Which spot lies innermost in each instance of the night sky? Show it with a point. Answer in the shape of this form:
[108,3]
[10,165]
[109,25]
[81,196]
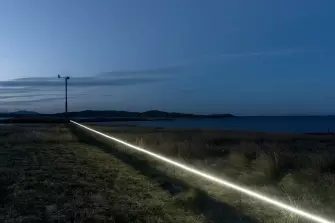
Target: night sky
[242,57]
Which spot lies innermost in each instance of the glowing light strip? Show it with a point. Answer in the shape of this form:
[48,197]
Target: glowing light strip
[226,183]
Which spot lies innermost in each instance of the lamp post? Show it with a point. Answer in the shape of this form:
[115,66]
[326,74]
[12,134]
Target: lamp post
[66,78]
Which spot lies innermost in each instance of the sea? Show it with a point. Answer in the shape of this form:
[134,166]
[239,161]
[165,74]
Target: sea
[280,124]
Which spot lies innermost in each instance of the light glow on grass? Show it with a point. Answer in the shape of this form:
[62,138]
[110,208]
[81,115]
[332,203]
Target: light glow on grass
[217,180]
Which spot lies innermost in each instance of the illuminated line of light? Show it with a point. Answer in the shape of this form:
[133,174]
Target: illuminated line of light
[225,183]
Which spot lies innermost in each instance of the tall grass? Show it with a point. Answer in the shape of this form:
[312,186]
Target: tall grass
[286,165]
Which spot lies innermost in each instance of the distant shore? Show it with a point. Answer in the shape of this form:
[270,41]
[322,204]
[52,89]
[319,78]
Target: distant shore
[99,116]
[114,114]
[59,119]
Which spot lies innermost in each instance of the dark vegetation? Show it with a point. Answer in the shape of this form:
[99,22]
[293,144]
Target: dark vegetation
[49,174]
[57,173]
[298,169]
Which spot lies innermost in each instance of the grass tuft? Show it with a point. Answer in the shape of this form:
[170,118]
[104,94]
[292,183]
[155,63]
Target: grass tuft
[271,164]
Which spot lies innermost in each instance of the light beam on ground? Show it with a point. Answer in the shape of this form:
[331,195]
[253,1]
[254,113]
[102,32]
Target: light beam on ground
[217,180]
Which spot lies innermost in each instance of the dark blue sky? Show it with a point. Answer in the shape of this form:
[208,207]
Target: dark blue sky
[243,57]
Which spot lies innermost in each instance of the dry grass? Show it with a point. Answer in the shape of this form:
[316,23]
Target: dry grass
[48,175]
[75,182]
[298,169]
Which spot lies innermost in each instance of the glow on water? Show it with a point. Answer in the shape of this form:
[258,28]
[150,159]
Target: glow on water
[220,181]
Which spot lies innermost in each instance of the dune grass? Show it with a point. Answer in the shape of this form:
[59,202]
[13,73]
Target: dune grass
[49,174]
[297,169]
[57,173]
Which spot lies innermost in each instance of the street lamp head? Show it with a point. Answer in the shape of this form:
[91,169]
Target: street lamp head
[67,78]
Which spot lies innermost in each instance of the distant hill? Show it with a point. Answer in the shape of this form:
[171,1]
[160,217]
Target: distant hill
[24,112]
[111,114]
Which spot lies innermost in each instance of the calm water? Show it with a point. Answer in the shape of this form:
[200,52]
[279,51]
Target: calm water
[263,124]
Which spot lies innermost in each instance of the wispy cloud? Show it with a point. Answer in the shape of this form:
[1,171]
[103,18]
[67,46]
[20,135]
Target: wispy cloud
[15,96]
[36,92]
[28,102]
[158,72]
[82,82]
[7,90]
[270,53]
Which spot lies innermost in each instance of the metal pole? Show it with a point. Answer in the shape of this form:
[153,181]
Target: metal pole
[65,115]
[66,99]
